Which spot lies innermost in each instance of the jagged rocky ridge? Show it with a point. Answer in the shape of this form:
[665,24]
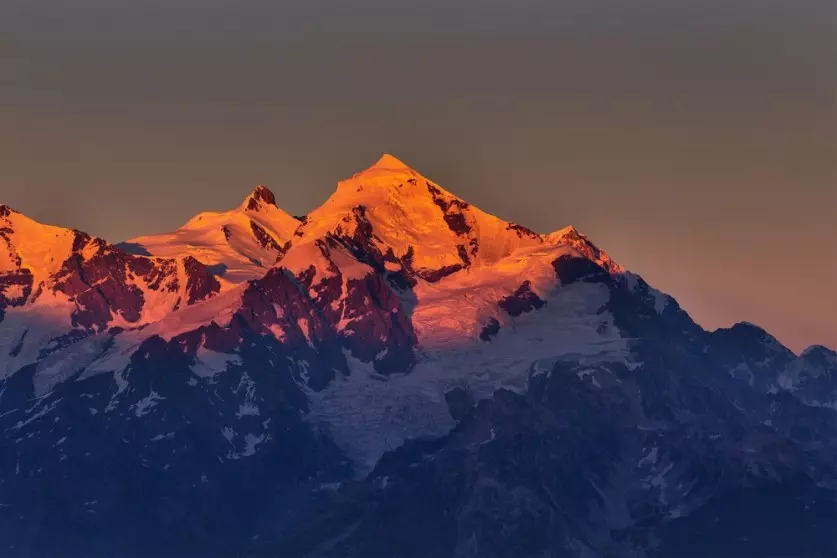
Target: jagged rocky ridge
[395,374]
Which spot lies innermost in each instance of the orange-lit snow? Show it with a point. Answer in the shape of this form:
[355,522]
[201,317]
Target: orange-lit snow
[403,214]
[226,240]
[41,248]
[404,210]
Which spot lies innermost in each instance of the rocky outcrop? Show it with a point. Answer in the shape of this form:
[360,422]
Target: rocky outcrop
[521,300]
[108,283]
[15,289]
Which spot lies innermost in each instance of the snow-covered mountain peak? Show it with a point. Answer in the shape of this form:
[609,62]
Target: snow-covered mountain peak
[238,245]
[389,177]
[28,244]
[258,198]
[392,163]
[407,222]
[412,222]
[387,173]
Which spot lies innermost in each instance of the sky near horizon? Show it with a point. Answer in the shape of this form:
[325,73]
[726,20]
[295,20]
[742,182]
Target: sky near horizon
[695,141]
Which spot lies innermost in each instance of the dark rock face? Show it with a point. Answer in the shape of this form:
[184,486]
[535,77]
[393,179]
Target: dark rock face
[434,275]
[56,344]
[133,248]
[201,283]
[260,194]
[570,269]
[263,237]
[16,349]
[522,231]
[15,289]
[429,275]
[521,301]
[277,300]
[490,329]
[457,223]
[377,327]
[452,208]
[355,232]
[103,282]
[380,330]
[586,248]
[445,202]
[99,285]
[461,404]
[463,254]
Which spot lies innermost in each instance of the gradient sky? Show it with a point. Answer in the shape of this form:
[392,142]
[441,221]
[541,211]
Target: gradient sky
[695,140]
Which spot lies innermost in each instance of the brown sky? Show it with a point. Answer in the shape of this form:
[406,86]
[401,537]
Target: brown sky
[694,140]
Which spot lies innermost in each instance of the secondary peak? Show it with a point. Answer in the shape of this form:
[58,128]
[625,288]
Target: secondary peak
[261,194]
[560,234]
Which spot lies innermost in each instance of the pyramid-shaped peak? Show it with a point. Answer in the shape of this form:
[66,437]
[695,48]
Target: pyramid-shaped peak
[390,162]
[261,194]
[387,173]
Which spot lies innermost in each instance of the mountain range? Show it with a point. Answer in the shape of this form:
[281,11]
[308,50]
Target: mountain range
[395,374]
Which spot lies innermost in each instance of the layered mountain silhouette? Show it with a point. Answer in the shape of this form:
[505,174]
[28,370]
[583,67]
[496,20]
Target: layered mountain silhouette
[397,373]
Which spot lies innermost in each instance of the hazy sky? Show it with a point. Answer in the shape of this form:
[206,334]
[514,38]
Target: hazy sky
[694,140]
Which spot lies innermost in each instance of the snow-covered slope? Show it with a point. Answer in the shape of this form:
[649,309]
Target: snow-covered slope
[237,245]
[58,286]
